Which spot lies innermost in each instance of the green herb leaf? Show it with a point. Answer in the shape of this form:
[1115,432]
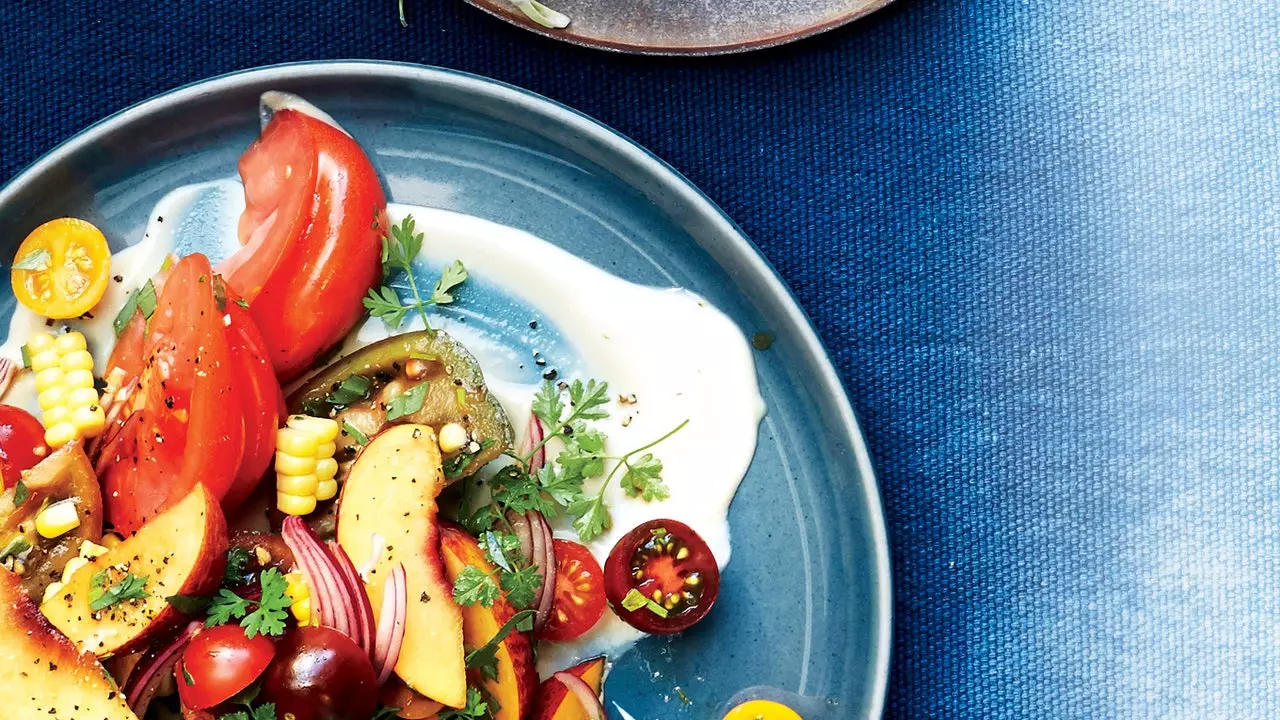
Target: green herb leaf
[521,586]
[350,390]
[225,607]
[238,560]
[590,517]
[16,547]
[354,433]
[407,403]
[496,547]
[634,600]
[129,587]
[548,405]
[588,400]
[451,277]
[186,675]
[563,487]
[482,519]
[242,303]
[190,604]
[473,586]
[35,260]
[26,356]
[385,713]
[141,300]
[476,708]
[384,303]
[273,607]
[643,479]
[485,658]
[20,494]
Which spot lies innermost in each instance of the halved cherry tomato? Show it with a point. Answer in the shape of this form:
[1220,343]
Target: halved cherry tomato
[580,599]
[220,662]
[70,264]
[762,710]
[312,233]
[673,572]
[185,421]
[21,444]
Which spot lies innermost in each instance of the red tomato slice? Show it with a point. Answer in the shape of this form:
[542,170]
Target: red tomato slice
[661,577]
[219,663]
[21,444]
[312,235]
[580,598]
[186,425]
[260,396]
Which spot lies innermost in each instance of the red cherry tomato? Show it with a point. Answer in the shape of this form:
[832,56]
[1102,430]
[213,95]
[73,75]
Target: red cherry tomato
[320,674]
[219,663]
[184,423]
[579,600]
[21,444]
[673,572]
[312,229]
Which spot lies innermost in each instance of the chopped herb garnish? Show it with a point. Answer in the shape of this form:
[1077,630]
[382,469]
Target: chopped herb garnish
[141,300]
[237,572]
[242,303]
[16,547]
[26,356]
[129,587]
[476,708]
[474,585]
[35,260]
[407,403]
[354,432]
[485,658]
[634,600]
[189,604]
[186,675]
[20,494]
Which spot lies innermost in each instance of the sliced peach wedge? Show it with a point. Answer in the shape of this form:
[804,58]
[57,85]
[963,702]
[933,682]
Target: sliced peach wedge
[42,672]
[118,601]
[387,513]
[516,680]
[555,702]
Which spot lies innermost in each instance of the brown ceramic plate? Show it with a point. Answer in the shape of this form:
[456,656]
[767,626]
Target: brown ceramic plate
[689,27]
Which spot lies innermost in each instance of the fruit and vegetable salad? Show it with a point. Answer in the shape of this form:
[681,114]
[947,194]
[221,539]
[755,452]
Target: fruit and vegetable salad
[274,481]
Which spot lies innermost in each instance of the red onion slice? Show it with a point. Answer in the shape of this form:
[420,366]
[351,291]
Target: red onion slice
[391,619]
[581,690]
[358,596]
[339,604]
[546,562]
[534,434]
[154,667]
[520,525]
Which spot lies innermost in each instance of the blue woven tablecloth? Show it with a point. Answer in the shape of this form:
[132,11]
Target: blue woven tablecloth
[1041,239]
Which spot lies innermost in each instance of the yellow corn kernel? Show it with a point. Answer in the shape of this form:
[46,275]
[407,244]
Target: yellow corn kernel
[297,484]
[90,550]
[296,587]
[298,443]
[89,421]
[453,437]
[81,397]
[52,591]
[70,342]
[295,505]
[59,434]
[77,379]
[323,429]
[302,611]
[326,450]
[326,489]
[51,398]
[71,567]
[58,519]
[326,469]
[111,541]
[49,377]
[287,464]
[78,360]
[57,414]
[41,361]
[38,343]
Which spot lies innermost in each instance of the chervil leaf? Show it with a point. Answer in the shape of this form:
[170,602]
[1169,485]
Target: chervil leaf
[34,260]
[515,490]
[473,586]
[521,586]
[563,487]
[643,478]
[590,517]
[451,277]
[273,607]
[589,399]
[482,519]
[403,245]
[476,708]
[226,606]
[548,405]
[407,403]
[189,604]
[577,460]
[384,303]
[497,546]
[20,494]
[129,587]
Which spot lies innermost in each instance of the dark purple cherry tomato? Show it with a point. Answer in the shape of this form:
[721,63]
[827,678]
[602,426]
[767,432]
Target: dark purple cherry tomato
[320,674]
[661,577]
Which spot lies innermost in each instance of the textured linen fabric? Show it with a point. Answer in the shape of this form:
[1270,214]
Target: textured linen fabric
[1041,240]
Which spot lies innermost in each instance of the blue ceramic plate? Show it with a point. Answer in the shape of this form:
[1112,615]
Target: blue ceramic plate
[805,605]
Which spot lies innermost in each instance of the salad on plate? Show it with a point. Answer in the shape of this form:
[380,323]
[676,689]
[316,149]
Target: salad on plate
[302,453]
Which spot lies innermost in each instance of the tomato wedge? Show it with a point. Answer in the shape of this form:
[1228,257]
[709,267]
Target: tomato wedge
[579,599]
[661,577]
[185,424]
[260,395]
[21,444]
[312,237]
[220,662]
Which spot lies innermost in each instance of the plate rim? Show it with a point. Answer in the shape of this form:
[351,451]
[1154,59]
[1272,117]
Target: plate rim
[504,11]
[726,233]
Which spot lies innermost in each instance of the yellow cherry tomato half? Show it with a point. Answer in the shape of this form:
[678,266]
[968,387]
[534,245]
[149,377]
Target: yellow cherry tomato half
[762,710]
[62,268]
